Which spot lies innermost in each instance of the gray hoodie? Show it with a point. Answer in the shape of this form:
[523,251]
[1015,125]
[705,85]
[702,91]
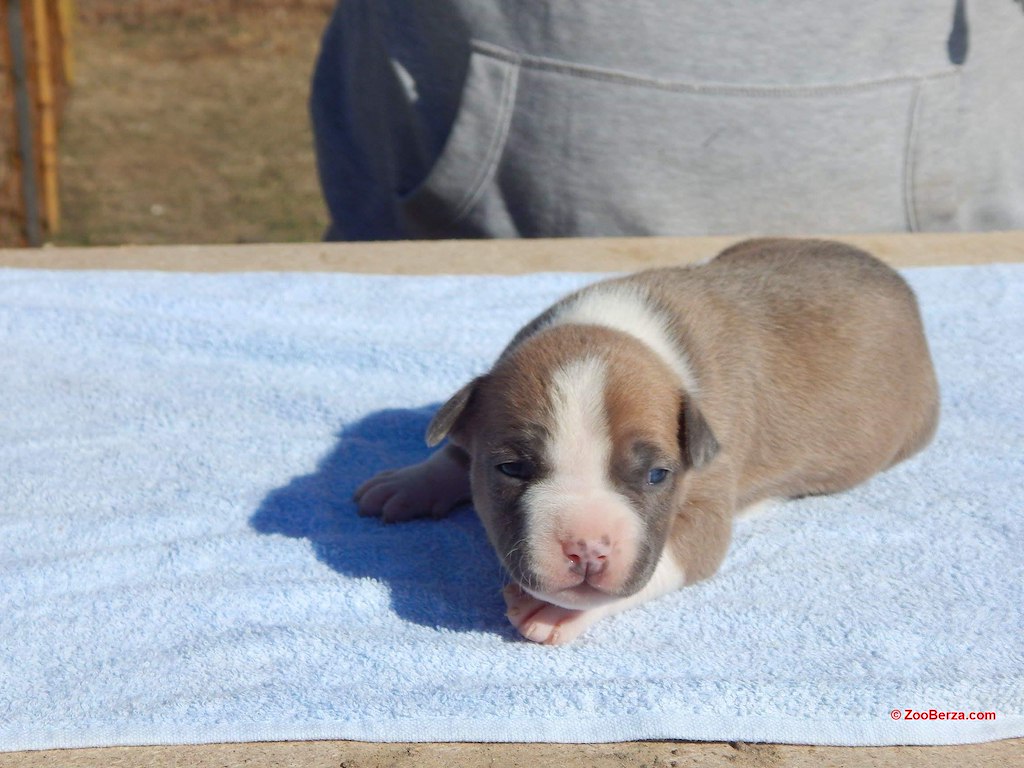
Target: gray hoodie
[529,118]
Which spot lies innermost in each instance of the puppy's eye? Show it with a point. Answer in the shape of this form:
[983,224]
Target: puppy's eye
[520,470]
[657,476]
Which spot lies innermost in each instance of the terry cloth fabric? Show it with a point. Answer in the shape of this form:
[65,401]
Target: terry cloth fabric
[180,561]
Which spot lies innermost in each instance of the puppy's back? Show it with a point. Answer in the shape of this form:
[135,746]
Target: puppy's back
[821,349]
[785,274]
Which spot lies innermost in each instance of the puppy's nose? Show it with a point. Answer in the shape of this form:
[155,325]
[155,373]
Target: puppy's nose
[587,557]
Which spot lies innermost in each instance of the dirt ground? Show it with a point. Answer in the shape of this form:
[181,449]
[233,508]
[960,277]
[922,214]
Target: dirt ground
[649,754]
[192,129]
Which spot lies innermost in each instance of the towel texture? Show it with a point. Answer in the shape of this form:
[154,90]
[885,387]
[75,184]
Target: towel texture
[180,560]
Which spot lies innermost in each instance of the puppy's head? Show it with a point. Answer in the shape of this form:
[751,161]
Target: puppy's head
[579,438]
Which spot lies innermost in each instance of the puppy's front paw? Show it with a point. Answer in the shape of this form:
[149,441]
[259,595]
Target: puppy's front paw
[543,622]
[398,495]
[392,496]
[431,488]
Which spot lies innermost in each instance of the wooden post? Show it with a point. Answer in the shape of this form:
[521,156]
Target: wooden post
[46,105]
[65,15]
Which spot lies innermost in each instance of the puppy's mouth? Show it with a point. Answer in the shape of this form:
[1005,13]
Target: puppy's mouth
[579,597]
[572,587]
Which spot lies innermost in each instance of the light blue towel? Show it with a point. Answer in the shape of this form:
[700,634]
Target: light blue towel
[180,560]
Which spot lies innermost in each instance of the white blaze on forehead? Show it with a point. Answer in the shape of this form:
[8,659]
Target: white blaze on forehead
[628,308]
[580,442]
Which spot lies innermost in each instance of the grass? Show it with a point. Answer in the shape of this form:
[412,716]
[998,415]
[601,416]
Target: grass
[192,130]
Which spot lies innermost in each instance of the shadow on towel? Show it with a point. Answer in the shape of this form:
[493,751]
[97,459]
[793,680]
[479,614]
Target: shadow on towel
[439,573]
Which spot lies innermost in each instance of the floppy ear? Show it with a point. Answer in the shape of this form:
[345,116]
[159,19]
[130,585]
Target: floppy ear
[447,416]
[698,442]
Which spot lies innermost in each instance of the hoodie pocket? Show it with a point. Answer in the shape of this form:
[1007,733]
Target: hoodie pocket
[547,147]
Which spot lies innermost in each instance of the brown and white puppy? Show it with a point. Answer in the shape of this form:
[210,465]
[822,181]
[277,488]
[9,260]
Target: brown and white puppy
[616,437]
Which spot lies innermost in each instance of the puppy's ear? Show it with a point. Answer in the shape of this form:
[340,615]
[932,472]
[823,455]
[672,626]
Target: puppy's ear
[447,418]
[698,442]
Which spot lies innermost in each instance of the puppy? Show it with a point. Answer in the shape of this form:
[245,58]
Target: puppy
[619,433]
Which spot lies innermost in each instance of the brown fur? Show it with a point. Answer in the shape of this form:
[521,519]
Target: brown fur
[814,372]
[814,375]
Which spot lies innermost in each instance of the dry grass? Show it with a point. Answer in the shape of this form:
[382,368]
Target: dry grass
[192,129]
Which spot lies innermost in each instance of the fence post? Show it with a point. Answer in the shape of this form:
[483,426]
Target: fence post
[47,114]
